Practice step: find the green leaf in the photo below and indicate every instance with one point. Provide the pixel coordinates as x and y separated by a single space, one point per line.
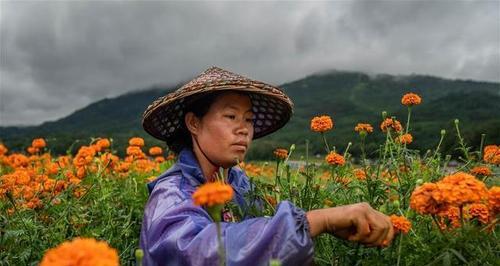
458 255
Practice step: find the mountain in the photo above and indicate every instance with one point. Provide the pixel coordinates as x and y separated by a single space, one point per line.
348 97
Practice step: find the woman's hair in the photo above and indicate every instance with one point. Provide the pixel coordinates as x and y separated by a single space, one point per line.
199 106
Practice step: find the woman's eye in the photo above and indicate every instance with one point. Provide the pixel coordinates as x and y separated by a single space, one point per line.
231 116
249 120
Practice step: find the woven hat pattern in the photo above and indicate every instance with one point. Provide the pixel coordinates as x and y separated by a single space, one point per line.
271 107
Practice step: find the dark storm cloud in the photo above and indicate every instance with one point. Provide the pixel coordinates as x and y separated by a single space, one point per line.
60 56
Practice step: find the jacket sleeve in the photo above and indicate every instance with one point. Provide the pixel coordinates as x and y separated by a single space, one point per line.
179 233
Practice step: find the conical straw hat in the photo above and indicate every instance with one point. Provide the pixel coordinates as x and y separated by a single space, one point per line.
271 107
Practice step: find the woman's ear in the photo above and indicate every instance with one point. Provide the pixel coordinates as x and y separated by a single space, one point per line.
192 123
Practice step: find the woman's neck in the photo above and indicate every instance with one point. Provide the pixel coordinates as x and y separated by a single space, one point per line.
207 168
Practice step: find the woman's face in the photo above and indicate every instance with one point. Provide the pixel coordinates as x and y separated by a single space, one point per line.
226 131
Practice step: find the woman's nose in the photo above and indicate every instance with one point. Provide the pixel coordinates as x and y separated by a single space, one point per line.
242 128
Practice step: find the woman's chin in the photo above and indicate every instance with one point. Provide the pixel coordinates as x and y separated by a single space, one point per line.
236 158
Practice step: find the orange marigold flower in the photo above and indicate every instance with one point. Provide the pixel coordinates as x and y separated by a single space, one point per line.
136 141
452 215
109 160
343 180
494 199
74 181
17 160
481 171
213 193
155 151
86 152
360 174
271 200
3 149
122 167
64 161
80 172
22 177
426 199
34 203
411 99
52 168
171 156
478 210
144 165
81 251
103 143
491 154
490 148
405 138
461 188
28 193
79 192
134 151
38 143
400 224
391 123
33 150
159 159
334 158
360 127
321 124
280 153
79 161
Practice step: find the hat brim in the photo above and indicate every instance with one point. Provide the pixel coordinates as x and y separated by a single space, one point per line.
271 107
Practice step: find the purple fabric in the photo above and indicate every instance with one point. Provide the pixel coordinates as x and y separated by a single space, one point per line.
177 232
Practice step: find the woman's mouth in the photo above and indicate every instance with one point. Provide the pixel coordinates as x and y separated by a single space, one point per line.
240 146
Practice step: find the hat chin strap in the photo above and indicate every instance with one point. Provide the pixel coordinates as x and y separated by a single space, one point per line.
206 157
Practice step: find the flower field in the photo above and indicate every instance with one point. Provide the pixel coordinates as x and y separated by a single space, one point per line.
92 201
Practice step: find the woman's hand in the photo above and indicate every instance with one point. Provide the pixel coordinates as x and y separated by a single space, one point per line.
355 222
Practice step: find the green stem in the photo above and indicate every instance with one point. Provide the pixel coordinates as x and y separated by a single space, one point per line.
307 156
277 177
332 173
461 140
483 136
347 149
287 168
408 119
386 146
363 152
326 143
222 258
438 146
399 249
16 211
437 224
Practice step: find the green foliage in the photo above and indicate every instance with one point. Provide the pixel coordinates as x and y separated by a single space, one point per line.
111 210
473 243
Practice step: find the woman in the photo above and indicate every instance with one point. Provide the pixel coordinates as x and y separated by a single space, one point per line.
210 122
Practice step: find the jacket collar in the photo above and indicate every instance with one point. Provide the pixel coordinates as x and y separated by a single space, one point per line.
188 165
192 171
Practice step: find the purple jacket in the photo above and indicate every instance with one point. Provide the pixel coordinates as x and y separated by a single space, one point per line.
177 232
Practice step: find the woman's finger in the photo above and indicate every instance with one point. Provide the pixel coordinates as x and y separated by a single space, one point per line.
386 229
390 235
378 231
362 229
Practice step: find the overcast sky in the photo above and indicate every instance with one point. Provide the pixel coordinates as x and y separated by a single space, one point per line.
58 56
